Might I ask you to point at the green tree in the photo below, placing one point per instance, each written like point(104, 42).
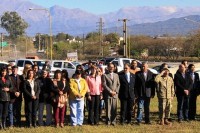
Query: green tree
point(63, 37)
point(13, 24)
point(92, 36)
point(112, 38)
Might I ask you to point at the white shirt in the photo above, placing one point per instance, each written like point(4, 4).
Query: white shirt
point(183, 74)
point(32, 87)
point(79, 88)
point(79, 85)
point(128, 77)
point(145, 75)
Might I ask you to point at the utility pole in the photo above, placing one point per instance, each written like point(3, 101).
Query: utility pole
point(39, 42)
point(47, 47)
point(26, 46)
point(101, 36)
point(1, 44)
point(83, 44)
point(124, 36)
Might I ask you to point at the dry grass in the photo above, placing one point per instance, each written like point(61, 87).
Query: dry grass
point(193, 126)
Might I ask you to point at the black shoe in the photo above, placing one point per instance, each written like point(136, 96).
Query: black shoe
point(122, 123)
point(128, 122)
point(148, 122)
point(96, 123)
point(138, 123)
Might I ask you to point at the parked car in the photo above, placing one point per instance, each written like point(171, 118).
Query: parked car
point(107, 60)
point(61, 65)
point(22, 62)
point(121, 61)
point(3, 64)
point(156, 69)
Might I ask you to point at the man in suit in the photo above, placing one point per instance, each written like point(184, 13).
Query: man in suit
point(145, 90)
point(193, 92)
point(126, 94)
point(111, 86)
point(183, 83)
point(16, 97)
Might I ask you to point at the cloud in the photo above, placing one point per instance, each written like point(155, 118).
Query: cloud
point(170, 9)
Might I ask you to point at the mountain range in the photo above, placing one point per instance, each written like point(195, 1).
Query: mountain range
point(141, 20)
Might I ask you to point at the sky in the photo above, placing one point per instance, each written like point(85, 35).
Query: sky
point(105, 6)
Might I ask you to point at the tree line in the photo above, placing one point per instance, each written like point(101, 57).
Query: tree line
point(92, 46)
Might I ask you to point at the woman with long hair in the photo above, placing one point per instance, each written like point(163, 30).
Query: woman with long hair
point(95, 92)
point(6, 87)
point(31, 97)
point(26, 68)
point(60, 97)
point(65, 78)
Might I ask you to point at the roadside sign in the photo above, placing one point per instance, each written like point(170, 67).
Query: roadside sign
point(4, 44)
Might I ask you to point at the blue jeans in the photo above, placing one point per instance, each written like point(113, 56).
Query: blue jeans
point(76, 112)
point(10, 113)
point(182, 107)
point(143, 103)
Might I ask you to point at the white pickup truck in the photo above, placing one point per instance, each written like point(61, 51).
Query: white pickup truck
point(121, 61)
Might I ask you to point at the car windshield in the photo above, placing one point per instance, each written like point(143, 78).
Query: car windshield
point(39, 63)
point(75, 63)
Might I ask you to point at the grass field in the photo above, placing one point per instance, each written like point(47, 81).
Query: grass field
point(193, 126)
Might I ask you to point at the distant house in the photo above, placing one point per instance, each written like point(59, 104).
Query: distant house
point(73, 40)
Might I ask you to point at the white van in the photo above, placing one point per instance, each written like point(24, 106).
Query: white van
point(63, 65)
point(22, 62)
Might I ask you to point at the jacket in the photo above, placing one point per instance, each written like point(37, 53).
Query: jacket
point(46, 87)
point(60, 86)
point(182, 84)
point(195, 83)
point(145, 88)
point(165, 86)
point(126, 90)
point(17, 86)
point(74, 90)
point(5, 96)
point(27, 90)
point(110, 85)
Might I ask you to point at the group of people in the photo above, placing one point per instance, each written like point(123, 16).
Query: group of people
point(87, 89)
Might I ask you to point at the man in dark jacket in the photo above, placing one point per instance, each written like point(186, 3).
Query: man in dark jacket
point(183, 84)
point(145, 90)
point(46, 88)
point(193, 92)
point(16, 97)
point(126, 94)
